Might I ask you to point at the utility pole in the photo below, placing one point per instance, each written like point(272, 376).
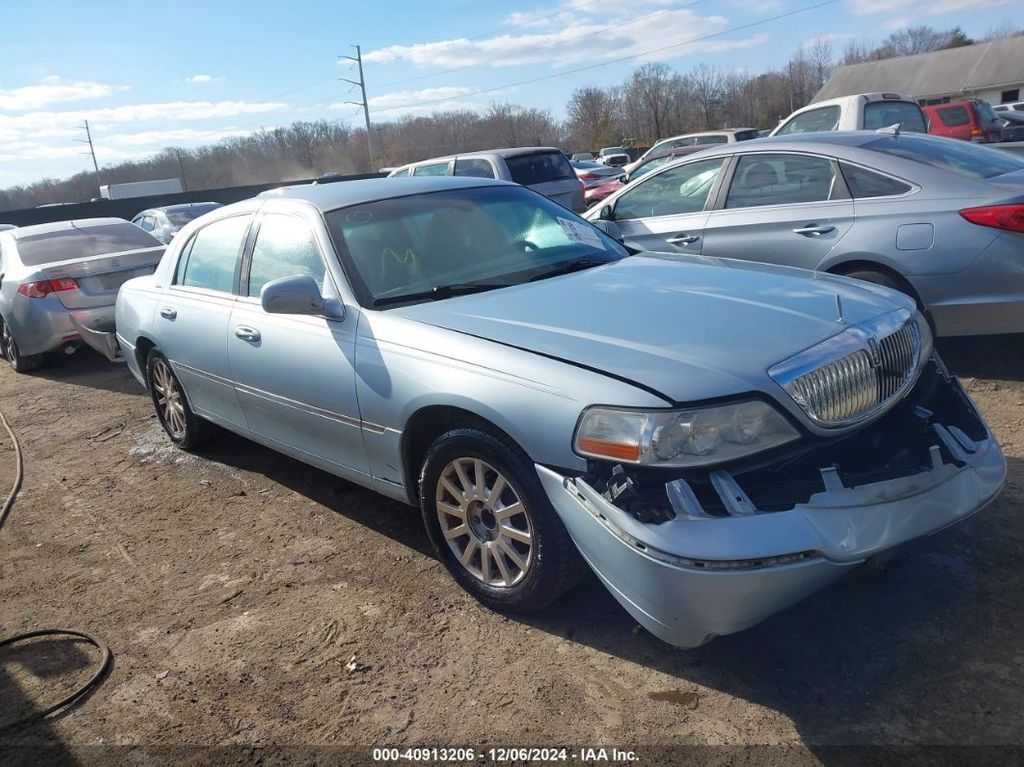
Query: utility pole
point(358, 58)
point(92, 151)
point(181, 170)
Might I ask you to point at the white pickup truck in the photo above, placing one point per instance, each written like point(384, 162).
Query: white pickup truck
point(862, 111)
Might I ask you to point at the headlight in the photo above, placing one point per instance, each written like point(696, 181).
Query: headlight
point(680, 438)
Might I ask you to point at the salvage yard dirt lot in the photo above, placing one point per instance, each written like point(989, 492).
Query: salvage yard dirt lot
point(250, 599)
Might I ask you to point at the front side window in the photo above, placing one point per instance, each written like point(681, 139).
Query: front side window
point(213, 255)
point(650, 165)
point(953, 116)
point(882, 114)
point(865, 183)
point(487, 237)
point(675, 191)
point(474, 167)
point(780, 179)
point(433, 169)
point(823, 119)
point(284, 247)
point(148, 223)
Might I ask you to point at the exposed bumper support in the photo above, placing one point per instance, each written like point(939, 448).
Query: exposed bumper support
point(100, 336)
point(699, 576)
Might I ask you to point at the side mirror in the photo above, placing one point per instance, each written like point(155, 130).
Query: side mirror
point(298, 294)
point(610, 228)
point(606, 214)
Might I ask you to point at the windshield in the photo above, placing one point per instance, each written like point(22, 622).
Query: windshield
point(960, 157)
point(882, 114)
point(182, 217)
point(495, 237)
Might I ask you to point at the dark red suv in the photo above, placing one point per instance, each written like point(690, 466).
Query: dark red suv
point(969, 120)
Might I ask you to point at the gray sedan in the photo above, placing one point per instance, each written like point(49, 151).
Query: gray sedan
point(715, 440)
point(58, 282)
point(938, 219)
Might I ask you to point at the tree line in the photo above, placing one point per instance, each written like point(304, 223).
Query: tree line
point(653, 102)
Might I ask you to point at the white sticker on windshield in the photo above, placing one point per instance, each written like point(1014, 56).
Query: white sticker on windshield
point(579, 232)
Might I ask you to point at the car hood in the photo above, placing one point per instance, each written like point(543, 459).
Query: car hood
point(688, 328)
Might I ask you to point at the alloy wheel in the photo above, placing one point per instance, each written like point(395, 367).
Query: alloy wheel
point(168, 399)
point(484, 522)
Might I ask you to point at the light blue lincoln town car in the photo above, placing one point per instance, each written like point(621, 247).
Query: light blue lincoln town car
point(715, 439)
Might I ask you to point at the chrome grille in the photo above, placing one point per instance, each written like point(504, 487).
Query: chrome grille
point(854, 374)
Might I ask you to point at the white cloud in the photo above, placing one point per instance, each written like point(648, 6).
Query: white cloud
point(830, 37)
point(396, 98)
point(203, 78)
point(161, 138)
point(603, 30)
point(894, 24)
point(923, 10)
point(52, 91)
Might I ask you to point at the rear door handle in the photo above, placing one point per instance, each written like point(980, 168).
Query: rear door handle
point(168, 312)
point(247, 334)
point(683, 239)
point(814, 229)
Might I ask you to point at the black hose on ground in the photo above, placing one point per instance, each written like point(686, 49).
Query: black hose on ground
point(106, 657)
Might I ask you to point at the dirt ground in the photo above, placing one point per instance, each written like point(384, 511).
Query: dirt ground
point(235, 587)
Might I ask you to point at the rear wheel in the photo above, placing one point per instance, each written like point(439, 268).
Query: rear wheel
point(185, 429)
point(22, 363)
point(492, 524)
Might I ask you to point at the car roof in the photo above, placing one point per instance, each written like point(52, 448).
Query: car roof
point(62, 226)
point(341, 194)
point(504, 153)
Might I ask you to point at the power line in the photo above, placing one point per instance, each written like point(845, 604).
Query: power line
point(621, 59)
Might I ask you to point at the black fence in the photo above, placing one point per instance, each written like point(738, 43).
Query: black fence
point(129, 207)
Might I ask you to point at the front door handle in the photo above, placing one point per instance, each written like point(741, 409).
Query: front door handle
point(247, 334)
point(683, 239)
point(814, 229)
point(168, 312)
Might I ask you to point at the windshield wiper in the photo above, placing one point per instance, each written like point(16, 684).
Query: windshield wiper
point(576, 265)
point(440, 291)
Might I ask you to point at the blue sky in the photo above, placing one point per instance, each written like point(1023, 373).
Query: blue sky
point(192, 72)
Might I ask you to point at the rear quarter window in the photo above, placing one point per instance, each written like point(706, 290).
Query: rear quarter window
point(83, 242)
point(865, 183)
point(953, 116)
point(530, 169)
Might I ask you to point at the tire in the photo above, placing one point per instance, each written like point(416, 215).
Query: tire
point(184, 428)
point(530, 559)
point(885, 280)
point(22, 363)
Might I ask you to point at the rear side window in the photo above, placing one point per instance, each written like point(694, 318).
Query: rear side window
point(476, 167)
point(83, 241)
point(213, 255)
point(780, 179)
point(960, 157)
point(746, 135)
point(882, 114)
point(865, 183)
point(529, 169)
point(434, 169)
point(284, 247)
point(953, 116)
point(823, 119)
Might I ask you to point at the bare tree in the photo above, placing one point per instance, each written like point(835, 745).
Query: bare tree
point(592, 117)
point(706, 81)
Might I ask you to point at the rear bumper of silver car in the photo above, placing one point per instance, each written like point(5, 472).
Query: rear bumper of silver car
point(43, 324)
point(693, 578)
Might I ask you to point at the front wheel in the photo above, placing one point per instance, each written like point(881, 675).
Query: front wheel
point(492, 524)
point(186, 430)
point(22, 363)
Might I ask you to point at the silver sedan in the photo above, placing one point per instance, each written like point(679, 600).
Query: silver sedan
point(59, 281)
point(938, 219)
point(715, 441)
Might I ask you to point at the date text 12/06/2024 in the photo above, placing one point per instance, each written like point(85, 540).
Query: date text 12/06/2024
point(502, 755)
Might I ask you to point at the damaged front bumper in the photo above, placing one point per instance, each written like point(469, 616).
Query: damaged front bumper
point(714, 569)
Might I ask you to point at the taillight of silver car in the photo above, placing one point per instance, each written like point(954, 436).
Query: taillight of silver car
point(44, 288)
point(1008, 217)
